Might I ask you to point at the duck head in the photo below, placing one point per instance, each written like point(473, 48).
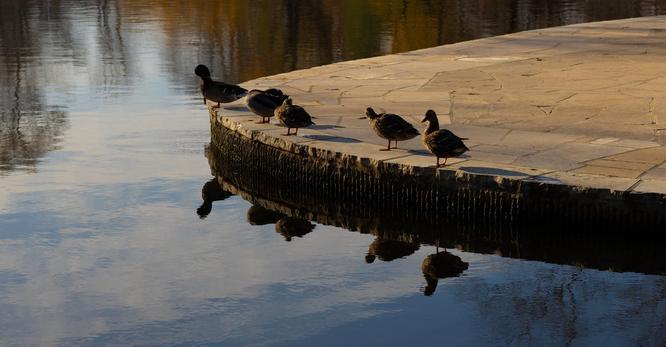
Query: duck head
point(287, 102)
point(274, 91)
point(430, 116)
point(370, 258)
point(433, 122)
point(370, 113)
point(202, 71)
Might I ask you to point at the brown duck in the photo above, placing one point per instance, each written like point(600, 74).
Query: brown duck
point(391, 127)
point(441, 265)
point(389, 250)
point(264, 102)
point(290, 227)
point(217, 91)
point(292, 116)
point(441, 142)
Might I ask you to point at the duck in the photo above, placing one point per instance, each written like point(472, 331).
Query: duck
point(259, 215)
point(211, 191)
point(264, 102)
point(391, 127)
point(440, 265)
point(441, 142)
point(292, 116)
point(389, 250)
point(293, 227)
point(217, 91)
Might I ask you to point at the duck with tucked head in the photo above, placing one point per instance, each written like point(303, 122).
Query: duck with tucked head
point(292, 116)
point(391, 127)
point(441, 142)
point(217, 91)
point(264, 102)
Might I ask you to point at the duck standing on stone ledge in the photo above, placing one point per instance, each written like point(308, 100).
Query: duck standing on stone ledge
point(441, 142)
point(292, 116)
point(264, 102)
point(217, 91)
point(391, 127)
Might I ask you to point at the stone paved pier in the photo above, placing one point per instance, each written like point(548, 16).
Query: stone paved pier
point(575, 110)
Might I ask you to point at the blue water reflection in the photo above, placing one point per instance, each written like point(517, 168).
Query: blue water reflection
point(102, 137)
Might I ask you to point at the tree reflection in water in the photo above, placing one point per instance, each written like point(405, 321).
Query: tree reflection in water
point(44, 53)
point(51, 52)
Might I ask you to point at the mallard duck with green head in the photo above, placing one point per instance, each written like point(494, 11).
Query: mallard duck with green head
point(217, 91)
point(441, 142)
point(292, 116)
point(391, 127)
point(264, 102)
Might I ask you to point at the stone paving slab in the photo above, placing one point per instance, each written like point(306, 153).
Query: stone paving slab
point(581, 105)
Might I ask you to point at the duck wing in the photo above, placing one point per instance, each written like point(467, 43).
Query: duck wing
point(395, 126)
point(444, 143)
point(223, 92)
point(298, 117)
point(448, 133)
point(264, 104)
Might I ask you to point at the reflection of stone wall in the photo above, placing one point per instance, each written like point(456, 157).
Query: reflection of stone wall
point(476, 213)
point(367, 188)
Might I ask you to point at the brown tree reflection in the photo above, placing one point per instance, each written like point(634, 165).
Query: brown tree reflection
point(27, 130)
point(242, 40)
point(41, 42)
point(46, 44)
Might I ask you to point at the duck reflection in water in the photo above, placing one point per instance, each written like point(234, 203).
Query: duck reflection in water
point(258, 215)
point(389, 250)
point(293, 227)
point(211, 191)
point(440, 265)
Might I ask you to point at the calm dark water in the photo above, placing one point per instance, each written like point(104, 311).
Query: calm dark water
point(102, 164)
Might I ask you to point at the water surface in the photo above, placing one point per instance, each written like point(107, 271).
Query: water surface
point(102, 136)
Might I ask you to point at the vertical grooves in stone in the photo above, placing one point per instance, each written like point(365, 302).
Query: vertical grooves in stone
point(342, 187)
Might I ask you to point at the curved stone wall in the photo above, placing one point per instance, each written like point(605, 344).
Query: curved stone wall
point(350, 185)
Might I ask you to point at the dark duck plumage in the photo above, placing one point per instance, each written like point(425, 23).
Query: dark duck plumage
point(441, 265)
point(258, 215)
point(292, 116)
point(211, 191)
point(391, 127)
point(264, 102)
point(293, 227)
point(441, 142)
point(389, 250)
point(217, 91)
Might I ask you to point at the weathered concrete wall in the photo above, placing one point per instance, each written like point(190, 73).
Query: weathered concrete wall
point(563, 127)
point(347, 184)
